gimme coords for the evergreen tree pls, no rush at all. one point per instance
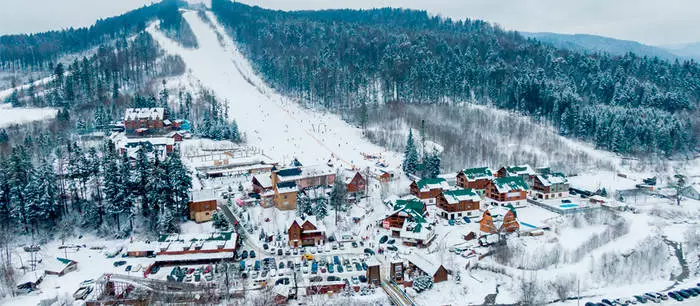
(410, 160)
(181, 183)
(4, 138)
(219, 221)
(321, 208)
(339, 195)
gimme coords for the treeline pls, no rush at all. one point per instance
(39, 50)
(174, 25)
(97, 187)
(343, 58)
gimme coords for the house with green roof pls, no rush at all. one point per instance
(458, 203)
(404, 210)
(428, 189)
(507, 190)
(474, 178)
(524, 171)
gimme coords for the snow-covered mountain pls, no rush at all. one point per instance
(596, 43)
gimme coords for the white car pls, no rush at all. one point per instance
(305, 270)
(137, 268)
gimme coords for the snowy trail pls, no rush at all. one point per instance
(272, 122)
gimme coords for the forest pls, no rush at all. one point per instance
(341, 59)
(39, 50)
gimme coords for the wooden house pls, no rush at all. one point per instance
(403, 210)
(549, 186)
(306, 232)
(426, 265)
(507, 190)
(458, 203)
(503, 222)
(145, 119)
(262, 183)
(60, 266)
(356, 183)
(382, 176)
(202, 205)
(428, 189)
(523, 171)
(305, 176)
(474, 178)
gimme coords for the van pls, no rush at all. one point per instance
(257, 265)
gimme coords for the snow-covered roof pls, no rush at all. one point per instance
(552, 179)
(57, 265)
(297, 173)
(520, 170)
(409, 208)
(320, 227)
(194, 256)
(478, 173)
(598, 198)
(141, 246)
(432, 183)
(460, 195)
(510, 183)
(31, 277)
(204, 195)
(286, 187)
(417, 230)
(264, 180)
(426, 263)
(155, 113)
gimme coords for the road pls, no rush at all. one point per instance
(396, 295)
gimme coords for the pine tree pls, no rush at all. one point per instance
(321, 208)
(4, 138)
(364, 116)
(339, 195)
(410, 161)
(219, 221)
(181, 183)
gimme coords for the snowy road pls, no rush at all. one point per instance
(278, 125)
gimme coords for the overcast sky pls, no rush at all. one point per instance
(648, 21)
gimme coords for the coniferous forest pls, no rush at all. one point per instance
(342, 59)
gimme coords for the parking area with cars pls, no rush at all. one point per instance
(683, 296)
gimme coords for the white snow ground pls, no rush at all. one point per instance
(276, 124)
(17, 115)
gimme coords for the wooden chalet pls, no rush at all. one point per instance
(507, 190)
(356, 183)
(202, 205)
(458, 203)
(428, 189)
(403, 210)
(505, 222)
(428, 265)
(523, 171)
(475, 178)
(305, 176)
(262, 183)
(285, 196)
(382, 176)
(306, 232)
(145, 120)
(550, 186)
(60, 266)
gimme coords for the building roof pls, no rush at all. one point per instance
(509, 183)
(155, 113)
(203, 195)
(411, 208)
(264, 180)
(552, 179)
(426, 263)
(320, 227)
(520, 170)
(459, 195)
(296, 173)
(286, 187)
(31, 277)
(478, 173)
(58, 265)
(432, 183)
(417, 230)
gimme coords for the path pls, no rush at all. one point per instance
(279, 126)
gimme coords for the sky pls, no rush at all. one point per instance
(654, 22)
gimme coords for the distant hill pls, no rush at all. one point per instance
(595, 43)
(691, 50)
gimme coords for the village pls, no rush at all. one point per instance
(287, 231)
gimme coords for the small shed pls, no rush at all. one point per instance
(61, 266)
(141, 249)
(430, 267)
(373, 272)
(30, 280)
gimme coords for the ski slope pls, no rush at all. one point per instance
(270, 121)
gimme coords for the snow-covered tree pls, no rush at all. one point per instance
(410, 160)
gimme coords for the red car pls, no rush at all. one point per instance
(207, 269)
(190, 271)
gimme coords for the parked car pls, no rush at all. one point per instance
(119, 263)
(640, 299)
(330, 269)
(252, 254)
(451, 222)
(339, 268)
(392, 248)
(137, 268)
(369, 251)
(244, 254)
(280, 252)
(128, 268)
(155, 269)
(363, 279)
(607, 302)
(354, 244)
(355, 280)
(383, 239)
(467, 220)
